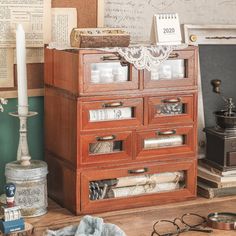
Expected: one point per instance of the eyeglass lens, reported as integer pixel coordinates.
(193, 220)
(165, 228)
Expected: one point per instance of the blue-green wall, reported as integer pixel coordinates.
(9, 134)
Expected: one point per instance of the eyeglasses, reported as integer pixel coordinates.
(187, 222)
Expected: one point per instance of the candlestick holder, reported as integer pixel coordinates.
(23, 151)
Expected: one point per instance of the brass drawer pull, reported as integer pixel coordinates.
(172, 100)
(168, 132)
(113, 104)
(111, 58)
(138, 171)
(106, 138)
(173, 55)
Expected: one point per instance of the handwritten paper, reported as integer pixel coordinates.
(34, 15)
(136, 15)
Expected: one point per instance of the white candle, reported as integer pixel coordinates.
(21, 71)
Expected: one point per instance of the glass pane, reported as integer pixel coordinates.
(136, 185)
(170, 108)
(105, 147)
(164, 141)
(170, 69)
(110, 114)
(103, 73)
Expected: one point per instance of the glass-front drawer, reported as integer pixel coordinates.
(176, 71)
(164, 142)
(108, 72)
(166, 109)
(112, 113)
(106, 147)
(131, 186)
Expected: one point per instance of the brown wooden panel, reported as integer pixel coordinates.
(157, 115)
(48, 66)
(143, 218)
(63, 183)
(65, 71)
(96, 88)
(34, 75)
(86, 11)
(60, 125)
(190, 79)
(86, 157)
(146, 199)
(157, 153)
(136, 104)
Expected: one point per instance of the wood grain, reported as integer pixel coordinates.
(86, 11)
(138, 221)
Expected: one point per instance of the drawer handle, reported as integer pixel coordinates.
(174, 55)
(138, 171)
(111, 58)
(113, 104)
(106, 138)
(168, 132)
(173, 100)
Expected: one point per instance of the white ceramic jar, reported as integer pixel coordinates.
(106, 75)
(95, 76)
(119, 75)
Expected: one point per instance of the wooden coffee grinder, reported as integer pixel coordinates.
(221, 140)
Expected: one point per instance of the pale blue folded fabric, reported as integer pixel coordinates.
(88, 226)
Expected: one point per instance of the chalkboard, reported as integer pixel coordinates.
(217, 62)
(136, 15)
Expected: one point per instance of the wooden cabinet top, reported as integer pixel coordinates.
(86, 72)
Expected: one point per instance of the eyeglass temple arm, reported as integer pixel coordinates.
(201, 230)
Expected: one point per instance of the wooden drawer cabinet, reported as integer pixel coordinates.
(106, 73)
(112, 113)
(106, 147)
(108, 125)
(176, 72)
(176, 108)
(165, 142)
(113, 189)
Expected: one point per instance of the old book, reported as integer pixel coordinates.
(217, 184)
(214, 177)
(209, 192)
(99, 37)
(207, 166)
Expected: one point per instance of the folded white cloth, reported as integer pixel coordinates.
(88, 226)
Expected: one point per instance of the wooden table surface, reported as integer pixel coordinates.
(139, 221)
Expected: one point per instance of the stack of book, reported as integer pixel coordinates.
(215, 183)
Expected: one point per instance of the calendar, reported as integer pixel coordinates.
(166, 29)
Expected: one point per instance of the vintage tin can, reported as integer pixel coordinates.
(31, 186)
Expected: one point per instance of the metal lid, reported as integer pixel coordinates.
(37, 169)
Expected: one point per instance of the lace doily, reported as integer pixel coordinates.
(145, 57)
(141, 56)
